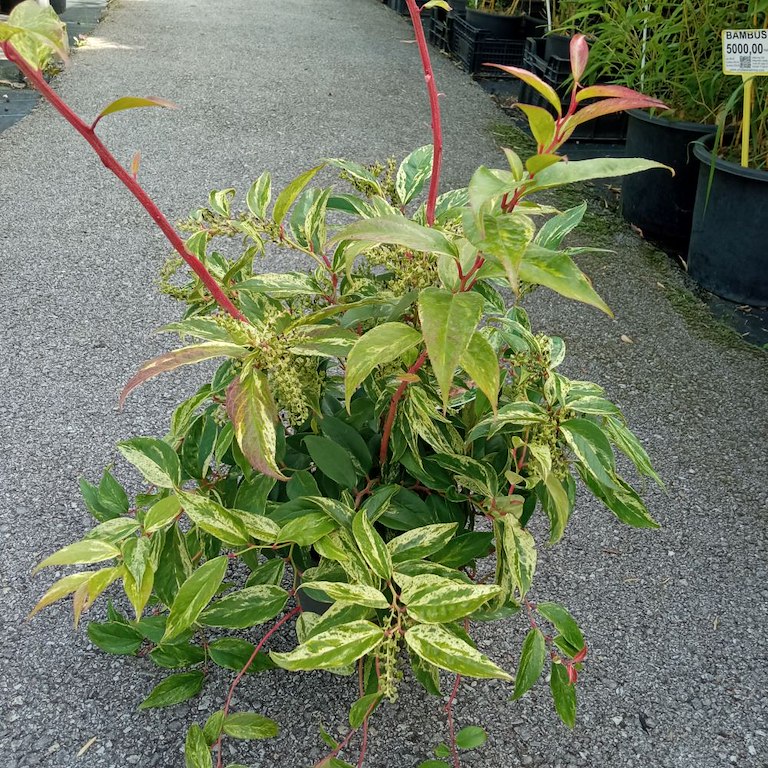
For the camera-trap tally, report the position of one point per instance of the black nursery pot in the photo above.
(660, 204)
(728, 253)
(500, 25)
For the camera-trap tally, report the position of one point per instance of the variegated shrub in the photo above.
(382, 430)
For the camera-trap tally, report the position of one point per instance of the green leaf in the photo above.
(428, 675)
(253, 413)
(350, 593)
(133, 102)
(532, 658)
(481, 363)
(433, 764)
(541, 123)
(193, 595)
(61, 588)
(81, 552)
(288, 196)
(282, 285)
(154, 458)
(505, 237)
(622, 500)
(563, 622)
(557, 270)
(197, 754)
(234, 653)
(413, 172)
(161, 514)
(471, 737)
(557, 505)
(115, 637)
(348, 437)
(486, 185)
(381, 345)
(249, 725)
(421, 542)
(520, 549)
(448, 321)
(564, 695)
(307, 529)
(35, 31)
(592, 449)
(214, 519)
(397, 230)
(177, 655)
(358, 172)
(434, 600)
(439, 647)
(269, 572)
(628, 443)
(213, 727)
(332, 649)
(246, 607)
(555, 229)
(362, 709)
(518, 415)
(259, 195)
(465, 548)
(332, 460)
(372, 546)
(596, 168)
(174, 690)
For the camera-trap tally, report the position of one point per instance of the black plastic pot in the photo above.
(660, 204)
(500, 25)
(728, 253)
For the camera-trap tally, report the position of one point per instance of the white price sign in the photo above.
(745, 51)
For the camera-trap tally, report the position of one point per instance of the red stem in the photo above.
(451, 729)
(393, 408)
(434, 105)
(288, 616)
(107, 158)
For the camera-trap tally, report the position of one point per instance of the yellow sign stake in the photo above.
(745, 119)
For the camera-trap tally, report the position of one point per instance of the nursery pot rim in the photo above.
(703, 151)
(684, 125)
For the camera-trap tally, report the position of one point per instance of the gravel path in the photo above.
(675, 619)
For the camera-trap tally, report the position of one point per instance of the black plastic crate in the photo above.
(473, 48)
(439, 31)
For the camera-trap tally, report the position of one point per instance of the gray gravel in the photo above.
(675, 619)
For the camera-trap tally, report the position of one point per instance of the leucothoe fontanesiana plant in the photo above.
(382, 430)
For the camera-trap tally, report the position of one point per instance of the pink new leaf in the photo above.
(253, 413)
(614, 91)
(609, 106)
(547, 91)
(579, 56)
(184, 356)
